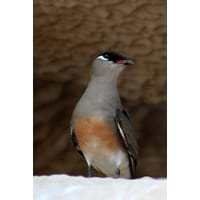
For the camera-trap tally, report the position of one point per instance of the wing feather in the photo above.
(75, 142)
(128, 136)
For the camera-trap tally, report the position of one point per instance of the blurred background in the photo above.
(67, 36)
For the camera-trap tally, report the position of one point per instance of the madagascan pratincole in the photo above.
(101, 129)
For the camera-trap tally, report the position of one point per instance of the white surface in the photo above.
(63, 187)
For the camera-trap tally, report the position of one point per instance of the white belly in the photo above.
(108, 163)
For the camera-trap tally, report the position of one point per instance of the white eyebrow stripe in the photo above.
(102, 58)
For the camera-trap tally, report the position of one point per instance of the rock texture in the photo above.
(73, 188)
(67, 36)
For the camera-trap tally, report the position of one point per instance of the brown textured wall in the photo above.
(67, 36)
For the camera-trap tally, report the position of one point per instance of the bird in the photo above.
(100, 127)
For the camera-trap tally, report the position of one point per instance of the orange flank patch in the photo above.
(96, 135)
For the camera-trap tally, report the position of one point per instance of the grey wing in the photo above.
(75, 142)
(128, 136)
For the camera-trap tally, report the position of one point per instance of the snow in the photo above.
(64, 187)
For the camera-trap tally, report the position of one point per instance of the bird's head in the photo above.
(110, 63)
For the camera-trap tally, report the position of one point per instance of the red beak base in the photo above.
(125, 62)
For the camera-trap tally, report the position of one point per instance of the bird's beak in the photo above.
(126, 61)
